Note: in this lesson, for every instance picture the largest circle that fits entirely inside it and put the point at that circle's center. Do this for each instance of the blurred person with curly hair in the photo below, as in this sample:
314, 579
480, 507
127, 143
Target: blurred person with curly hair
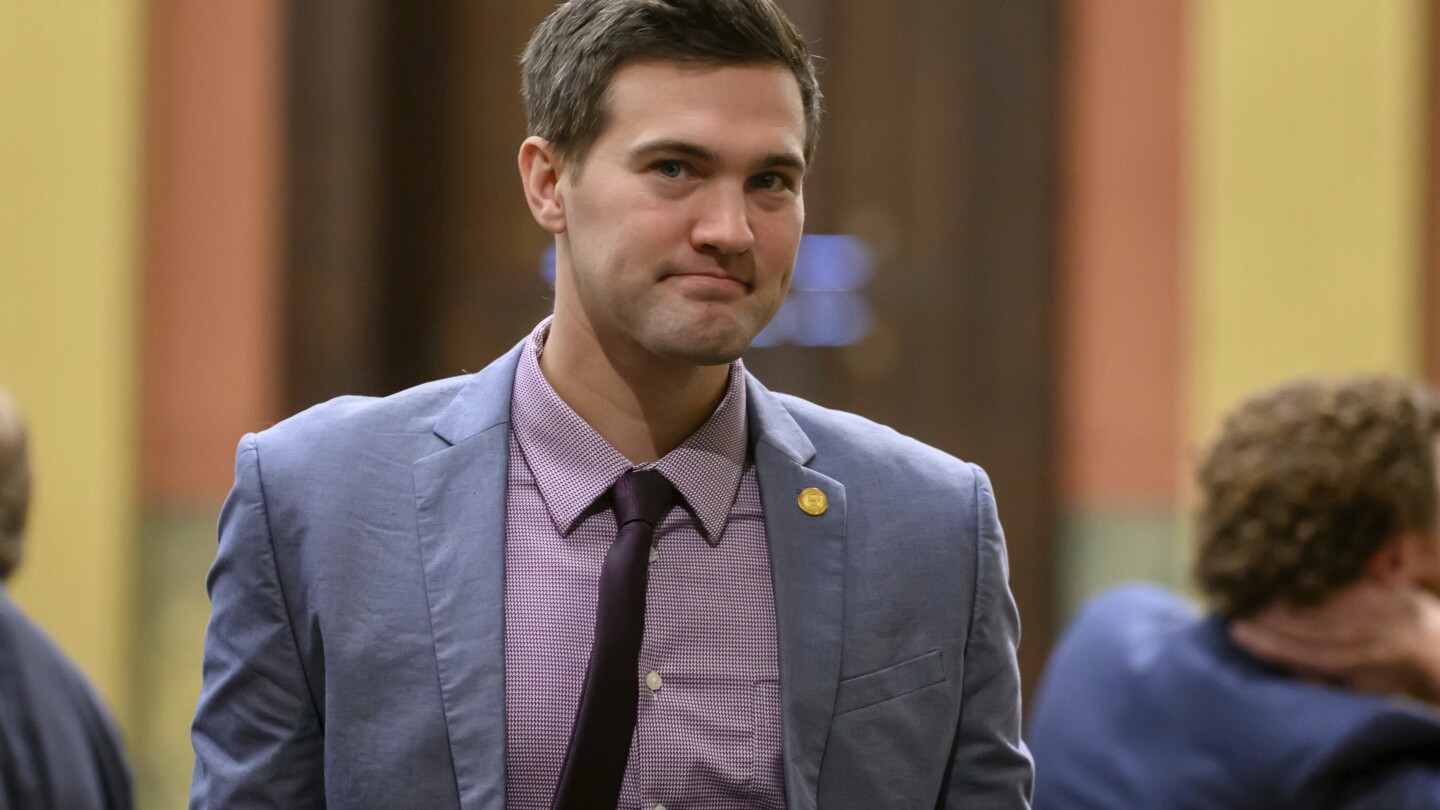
59, 749
1312, 681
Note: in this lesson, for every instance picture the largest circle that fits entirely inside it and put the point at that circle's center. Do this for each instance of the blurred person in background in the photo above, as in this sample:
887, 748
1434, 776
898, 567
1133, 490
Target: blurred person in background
59, 749
1318, 499
1369, 637
612, 569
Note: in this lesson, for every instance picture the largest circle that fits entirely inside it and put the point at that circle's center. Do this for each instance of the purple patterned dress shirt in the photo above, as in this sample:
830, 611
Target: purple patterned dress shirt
707, 733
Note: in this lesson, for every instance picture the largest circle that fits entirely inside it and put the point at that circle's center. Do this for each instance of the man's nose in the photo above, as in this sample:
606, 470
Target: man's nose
722, 223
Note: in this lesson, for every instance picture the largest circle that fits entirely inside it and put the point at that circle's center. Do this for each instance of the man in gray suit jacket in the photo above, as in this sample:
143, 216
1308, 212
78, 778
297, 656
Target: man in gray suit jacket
414, 596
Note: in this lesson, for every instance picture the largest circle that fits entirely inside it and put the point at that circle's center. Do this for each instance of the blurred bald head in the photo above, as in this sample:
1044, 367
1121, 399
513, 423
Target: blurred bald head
14, 484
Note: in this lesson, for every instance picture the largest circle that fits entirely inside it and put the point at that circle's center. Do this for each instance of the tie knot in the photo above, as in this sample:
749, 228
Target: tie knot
642, 495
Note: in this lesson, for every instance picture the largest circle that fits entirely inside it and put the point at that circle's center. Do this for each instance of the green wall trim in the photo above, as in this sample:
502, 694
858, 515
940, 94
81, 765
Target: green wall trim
177, 546
1099, 549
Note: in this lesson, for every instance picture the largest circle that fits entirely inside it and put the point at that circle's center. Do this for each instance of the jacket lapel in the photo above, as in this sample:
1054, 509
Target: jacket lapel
460, 517
807, 561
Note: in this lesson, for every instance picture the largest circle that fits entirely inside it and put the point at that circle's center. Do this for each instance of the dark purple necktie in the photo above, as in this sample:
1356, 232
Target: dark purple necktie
605, 719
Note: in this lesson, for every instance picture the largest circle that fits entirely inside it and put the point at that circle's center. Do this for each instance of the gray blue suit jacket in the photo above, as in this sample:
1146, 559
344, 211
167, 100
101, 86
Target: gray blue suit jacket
355, 652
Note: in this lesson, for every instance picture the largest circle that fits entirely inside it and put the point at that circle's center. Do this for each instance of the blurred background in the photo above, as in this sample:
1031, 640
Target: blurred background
1064, 236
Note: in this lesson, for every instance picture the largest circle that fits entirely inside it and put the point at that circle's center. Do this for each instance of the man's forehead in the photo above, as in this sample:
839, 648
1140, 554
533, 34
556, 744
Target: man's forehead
658, 103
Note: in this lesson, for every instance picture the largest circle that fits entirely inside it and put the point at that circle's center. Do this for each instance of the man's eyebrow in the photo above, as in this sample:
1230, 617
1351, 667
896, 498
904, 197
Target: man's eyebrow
782, 160
675, 147
671, 146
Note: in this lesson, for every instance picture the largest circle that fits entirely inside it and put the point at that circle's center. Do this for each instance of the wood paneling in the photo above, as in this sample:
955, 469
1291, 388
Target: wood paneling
333, 326
411, 252
938, 149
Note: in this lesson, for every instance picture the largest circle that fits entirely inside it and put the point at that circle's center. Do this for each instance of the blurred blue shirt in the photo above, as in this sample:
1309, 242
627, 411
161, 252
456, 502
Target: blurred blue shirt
58, 746
1146, 704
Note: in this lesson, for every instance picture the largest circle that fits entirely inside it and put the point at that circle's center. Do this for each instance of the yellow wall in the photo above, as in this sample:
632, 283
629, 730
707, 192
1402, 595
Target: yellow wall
70, 113
1307, 159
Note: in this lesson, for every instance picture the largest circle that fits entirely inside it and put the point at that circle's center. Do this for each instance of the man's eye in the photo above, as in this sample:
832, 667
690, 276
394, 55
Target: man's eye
670, 168
769, 181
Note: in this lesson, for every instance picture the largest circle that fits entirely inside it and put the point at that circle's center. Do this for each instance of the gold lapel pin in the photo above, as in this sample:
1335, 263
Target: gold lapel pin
813, 502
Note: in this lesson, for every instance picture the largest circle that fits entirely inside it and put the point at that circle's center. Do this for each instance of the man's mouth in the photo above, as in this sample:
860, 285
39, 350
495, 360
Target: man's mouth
718, 282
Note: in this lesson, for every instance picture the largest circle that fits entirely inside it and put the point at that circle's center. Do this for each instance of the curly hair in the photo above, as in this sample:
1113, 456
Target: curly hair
14, 485
1306, 481
568, 64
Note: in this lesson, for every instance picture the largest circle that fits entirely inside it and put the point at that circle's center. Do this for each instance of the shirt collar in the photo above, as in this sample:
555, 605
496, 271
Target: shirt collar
573, 465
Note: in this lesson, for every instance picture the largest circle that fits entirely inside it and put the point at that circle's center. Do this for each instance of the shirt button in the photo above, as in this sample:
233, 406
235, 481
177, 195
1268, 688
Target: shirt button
653, 681
654, 553
659, 807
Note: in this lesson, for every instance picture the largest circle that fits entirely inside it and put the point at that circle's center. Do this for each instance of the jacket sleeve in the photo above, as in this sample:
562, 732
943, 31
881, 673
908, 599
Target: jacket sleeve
990, 766
257, 736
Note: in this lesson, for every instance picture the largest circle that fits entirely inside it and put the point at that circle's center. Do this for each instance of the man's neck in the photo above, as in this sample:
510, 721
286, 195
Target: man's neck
643, 405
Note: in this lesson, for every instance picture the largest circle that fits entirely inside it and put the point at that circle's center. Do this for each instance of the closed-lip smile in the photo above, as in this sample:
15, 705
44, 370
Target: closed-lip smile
716, 278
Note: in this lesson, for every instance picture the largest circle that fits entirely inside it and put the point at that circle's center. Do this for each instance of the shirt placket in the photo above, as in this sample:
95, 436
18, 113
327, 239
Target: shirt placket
658, 654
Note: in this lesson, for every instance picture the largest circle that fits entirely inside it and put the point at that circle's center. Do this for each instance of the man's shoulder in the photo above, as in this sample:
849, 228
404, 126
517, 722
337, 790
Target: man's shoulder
1162, 644
48, 681
63, 734
414, 408
1125, 624
351, 433
413, 422
851, 441
1145, 604
412, 411
24, 640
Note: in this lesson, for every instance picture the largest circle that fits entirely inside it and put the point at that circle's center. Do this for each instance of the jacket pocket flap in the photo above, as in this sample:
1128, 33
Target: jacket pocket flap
891, 682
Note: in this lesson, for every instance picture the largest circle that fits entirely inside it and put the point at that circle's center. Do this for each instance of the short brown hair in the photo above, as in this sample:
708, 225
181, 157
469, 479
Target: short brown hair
14, 485
567, 66
1306, 482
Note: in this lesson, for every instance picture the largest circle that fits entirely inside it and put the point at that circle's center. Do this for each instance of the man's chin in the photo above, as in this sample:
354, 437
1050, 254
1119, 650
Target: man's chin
702, 355
701, 338
694, 349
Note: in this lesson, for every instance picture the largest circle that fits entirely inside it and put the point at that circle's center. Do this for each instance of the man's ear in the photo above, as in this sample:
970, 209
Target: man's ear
1398, 562
540, 175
